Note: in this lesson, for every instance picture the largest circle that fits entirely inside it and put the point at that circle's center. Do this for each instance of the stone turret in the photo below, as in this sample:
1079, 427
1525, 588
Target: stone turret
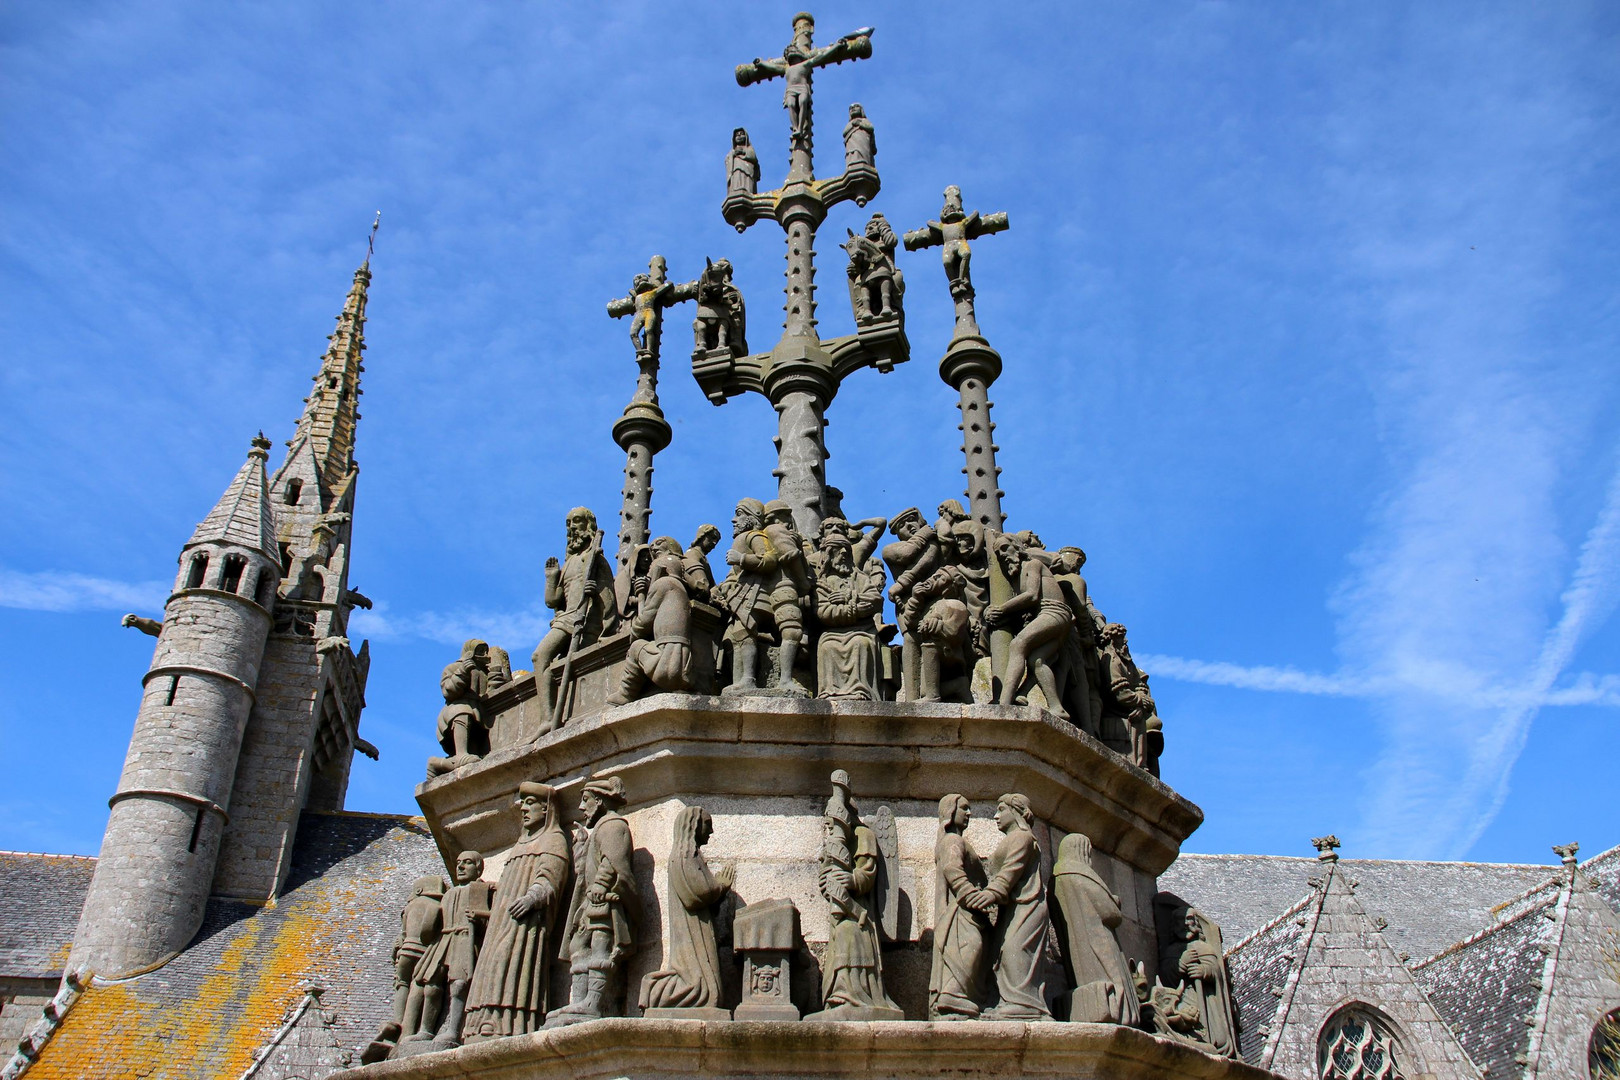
173, 801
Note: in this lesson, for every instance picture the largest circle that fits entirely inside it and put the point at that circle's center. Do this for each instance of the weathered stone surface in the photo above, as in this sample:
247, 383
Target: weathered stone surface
682, 1049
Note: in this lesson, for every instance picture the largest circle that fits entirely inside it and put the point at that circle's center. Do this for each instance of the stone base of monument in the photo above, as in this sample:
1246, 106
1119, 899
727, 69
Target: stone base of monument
717, 1015
645, 1049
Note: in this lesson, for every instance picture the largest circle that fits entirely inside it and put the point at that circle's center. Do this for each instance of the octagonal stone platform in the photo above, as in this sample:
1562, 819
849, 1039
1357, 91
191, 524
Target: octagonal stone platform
691, 1049
760, 765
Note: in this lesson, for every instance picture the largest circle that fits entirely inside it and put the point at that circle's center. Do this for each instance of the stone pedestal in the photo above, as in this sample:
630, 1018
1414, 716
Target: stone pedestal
766, 935
645, 1049
760, 766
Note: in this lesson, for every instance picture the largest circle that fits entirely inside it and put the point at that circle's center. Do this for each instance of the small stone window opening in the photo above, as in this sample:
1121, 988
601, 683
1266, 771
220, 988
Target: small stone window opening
285, 551
291, 493
1357, 1044
196, 828
1603, 1059
230, 577
266, 589
199, 570
174, 684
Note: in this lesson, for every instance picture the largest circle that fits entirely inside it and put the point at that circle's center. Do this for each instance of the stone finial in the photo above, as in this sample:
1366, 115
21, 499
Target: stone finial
261, 447
1327, 847
1567, 853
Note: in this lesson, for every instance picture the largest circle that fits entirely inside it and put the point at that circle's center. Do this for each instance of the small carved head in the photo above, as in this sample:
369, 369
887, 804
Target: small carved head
739, 136
951, 510
721, 269
666, 545
581, 526
953, 206
601, 796
534, 804
750, 515
469, 867
1013, 811
906, 523
708, 536
954, 813
778, 512
1069, 560
431, 887
1009, 552
855, 111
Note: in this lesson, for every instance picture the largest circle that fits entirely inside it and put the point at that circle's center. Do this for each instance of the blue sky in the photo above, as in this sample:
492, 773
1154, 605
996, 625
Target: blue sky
1308, 313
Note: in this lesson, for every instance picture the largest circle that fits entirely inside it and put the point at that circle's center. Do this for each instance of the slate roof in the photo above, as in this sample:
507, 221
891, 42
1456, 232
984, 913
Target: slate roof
1258, 968
242, 515
40, 900
1429, 905
209, 1011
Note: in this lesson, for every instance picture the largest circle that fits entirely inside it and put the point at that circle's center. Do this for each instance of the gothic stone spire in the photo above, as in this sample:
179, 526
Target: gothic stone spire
332, 409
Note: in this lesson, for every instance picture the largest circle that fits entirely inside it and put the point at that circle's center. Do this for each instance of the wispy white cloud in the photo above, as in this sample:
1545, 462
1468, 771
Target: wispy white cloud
516, 631
59, 591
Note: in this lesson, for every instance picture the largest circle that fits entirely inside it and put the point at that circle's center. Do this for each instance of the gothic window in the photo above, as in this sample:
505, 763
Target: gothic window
266, 589
1359, 1044
230, 577
199, 568
291, 493
1603, 1059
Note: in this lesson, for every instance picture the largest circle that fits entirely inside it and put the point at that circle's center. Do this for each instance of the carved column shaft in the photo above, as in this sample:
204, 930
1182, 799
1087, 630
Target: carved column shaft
970, 366
801, 455
641, 432
800, 307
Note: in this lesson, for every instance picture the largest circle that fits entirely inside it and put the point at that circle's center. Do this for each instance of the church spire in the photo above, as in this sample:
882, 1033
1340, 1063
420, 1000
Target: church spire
242, 515
332, 408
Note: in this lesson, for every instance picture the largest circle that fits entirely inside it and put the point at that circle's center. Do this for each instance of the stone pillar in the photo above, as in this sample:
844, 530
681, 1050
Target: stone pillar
158, 855
970, 365
641, 432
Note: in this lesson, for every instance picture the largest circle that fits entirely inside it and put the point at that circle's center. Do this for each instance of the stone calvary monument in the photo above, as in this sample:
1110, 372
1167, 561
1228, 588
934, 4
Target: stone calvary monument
881, 798
776, 786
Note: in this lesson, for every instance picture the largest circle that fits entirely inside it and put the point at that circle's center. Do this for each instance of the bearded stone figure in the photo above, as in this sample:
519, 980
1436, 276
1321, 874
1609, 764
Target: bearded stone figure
689, 984
1104, 988
511, 982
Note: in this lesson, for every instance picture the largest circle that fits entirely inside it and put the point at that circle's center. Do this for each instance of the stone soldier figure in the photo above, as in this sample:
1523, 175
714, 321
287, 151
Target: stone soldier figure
580, 591
439, 990
1129, 699
1016, 887
463, 727
852, 971
912, 558
873, 289
419, 928
1081, 686
601, 928
961, 924
722, 317
849, 599
860, 140
742, 166
661, 631
691, 976
762, 593
1045, 621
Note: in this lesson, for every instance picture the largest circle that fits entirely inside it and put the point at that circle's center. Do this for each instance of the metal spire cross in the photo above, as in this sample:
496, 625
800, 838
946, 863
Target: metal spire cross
801, 375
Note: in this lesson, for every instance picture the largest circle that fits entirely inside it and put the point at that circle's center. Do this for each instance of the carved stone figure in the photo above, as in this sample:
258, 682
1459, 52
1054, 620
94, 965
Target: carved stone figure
500, 668
798, 60
1105, 988
851, 882
695, 563
511, 980
601, 928
419, 929
660, 651
1042, 617
951, 233
913, 556
860, 139
151, 627
956, 985
1079, 674
580, 591
1017, 890
763, 594
689, 983
463, 727
849, 600
1194, 1003
1129, 699
722, 318
649, 295
875, 284
439, 987
742, 166
765, 934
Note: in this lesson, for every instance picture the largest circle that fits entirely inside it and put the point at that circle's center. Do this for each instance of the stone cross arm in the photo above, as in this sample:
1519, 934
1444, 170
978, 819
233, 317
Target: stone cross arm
973, 226
856, 46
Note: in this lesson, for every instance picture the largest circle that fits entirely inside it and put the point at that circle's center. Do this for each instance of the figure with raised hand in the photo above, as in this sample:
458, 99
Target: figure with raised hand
580, 591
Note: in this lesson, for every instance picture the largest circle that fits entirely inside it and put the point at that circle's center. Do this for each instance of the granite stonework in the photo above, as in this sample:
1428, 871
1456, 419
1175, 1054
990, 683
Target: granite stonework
645, 1049
760, 767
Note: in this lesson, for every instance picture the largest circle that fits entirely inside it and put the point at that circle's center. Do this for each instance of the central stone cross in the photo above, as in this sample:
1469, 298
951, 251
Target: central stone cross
801, 375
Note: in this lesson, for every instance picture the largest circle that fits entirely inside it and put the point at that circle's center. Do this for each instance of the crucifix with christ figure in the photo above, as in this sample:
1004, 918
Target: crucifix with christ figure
801, 375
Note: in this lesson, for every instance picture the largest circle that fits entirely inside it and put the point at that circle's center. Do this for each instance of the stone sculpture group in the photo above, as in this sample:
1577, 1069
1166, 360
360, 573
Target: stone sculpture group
473, 960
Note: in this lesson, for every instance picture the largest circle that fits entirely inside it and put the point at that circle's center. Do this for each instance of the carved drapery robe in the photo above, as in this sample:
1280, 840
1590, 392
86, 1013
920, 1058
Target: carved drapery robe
852, 973
846, 651
509, 988
692, 978
1015, 881
1204, 967
956, 977
1105, 992
601, 615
